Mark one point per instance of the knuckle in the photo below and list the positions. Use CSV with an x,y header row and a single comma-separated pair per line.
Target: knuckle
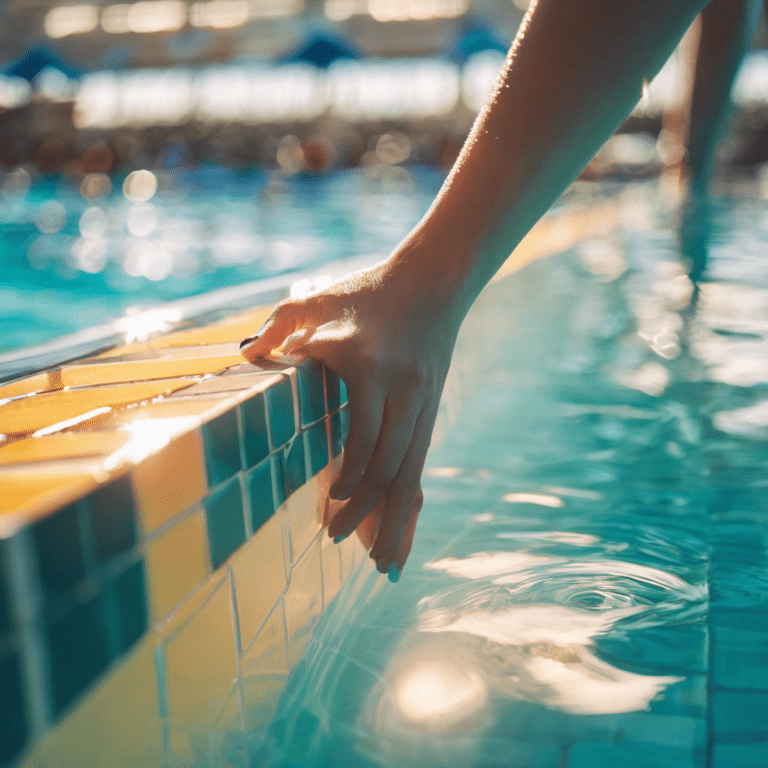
x,y
409,488
286,307
368,361
417,377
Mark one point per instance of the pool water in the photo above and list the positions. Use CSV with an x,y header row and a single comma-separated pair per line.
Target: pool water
x,y
589,581
69,262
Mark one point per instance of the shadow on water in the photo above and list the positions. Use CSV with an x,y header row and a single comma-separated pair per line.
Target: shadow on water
x,y
596,503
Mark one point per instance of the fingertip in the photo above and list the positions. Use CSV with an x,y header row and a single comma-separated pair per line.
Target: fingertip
x,y
338,491
393,573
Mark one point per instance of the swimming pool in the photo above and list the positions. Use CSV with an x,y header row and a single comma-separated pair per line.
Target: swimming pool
x,y
75,254
589,581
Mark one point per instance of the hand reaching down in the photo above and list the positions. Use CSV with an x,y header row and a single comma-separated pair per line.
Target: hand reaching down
x,y
391,344
389,331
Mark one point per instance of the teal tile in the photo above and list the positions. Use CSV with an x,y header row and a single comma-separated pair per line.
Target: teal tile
x,y
255,437
742,628
222,447
318,446
13,727
226,521
751,755
670,649
337,390
278,470
112,519
79,651
281,417
294,466
130,593
336,442
739,668
739,652
311,392
59,548
628,755
689,697
262,502
739,716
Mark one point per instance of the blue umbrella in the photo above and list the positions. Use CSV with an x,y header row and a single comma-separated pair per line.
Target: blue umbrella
x,y
474,38
30,64
322,49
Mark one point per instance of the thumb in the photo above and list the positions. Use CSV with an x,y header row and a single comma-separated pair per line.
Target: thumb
x,y
286,317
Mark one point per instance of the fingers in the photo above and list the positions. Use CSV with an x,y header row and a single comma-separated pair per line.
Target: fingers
x,y
396,435
403,503
366,413
286,317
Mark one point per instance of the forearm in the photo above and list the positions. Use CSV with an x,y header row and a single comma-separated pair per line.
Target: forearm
x,y
575,71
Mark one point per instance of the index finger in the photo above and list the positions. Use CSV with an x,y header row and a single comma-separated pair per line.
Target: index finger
x,y
286,317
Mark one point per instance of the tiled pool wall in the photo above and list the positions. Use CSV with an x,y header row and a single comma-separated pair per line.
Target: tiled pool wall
x,y
154,619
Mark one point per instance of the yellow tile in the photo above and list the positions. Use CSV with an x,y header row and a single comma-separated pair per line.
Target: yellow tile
x,y
328,507
304,508
118,724
62,445
89,374
200,661
347,554
26,497
265,672
145,352
227,736
261,694
259,574
32,413
170,481
267,653
254,382
176,564
330,559
170,408
234,329
41,382
303,603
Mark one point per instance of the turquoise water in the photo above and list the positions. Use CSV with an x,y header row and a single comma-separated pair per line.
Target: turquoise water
x,y
68,262
589,581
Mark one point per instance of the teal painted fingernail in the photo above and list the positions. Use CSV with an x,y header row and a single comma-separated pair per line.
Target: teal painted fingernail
x,y
393,574
339,538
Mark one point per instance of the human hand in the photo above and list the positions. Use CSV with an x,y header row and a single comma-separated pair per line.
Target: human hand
x,y
390,339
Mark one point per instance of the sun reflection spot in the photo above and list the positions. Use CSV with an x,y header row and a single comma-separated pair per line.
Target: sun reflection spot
x,y
141,326
533,498
442,472
71,422
437,691
149,436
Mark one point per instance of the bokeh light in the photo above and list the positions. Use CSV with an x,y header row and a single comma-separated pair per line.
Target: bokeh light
x,y
140,186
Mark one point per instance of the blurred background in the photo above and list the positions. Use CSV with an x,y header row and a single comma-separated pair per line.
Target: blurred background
x,y
161,148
